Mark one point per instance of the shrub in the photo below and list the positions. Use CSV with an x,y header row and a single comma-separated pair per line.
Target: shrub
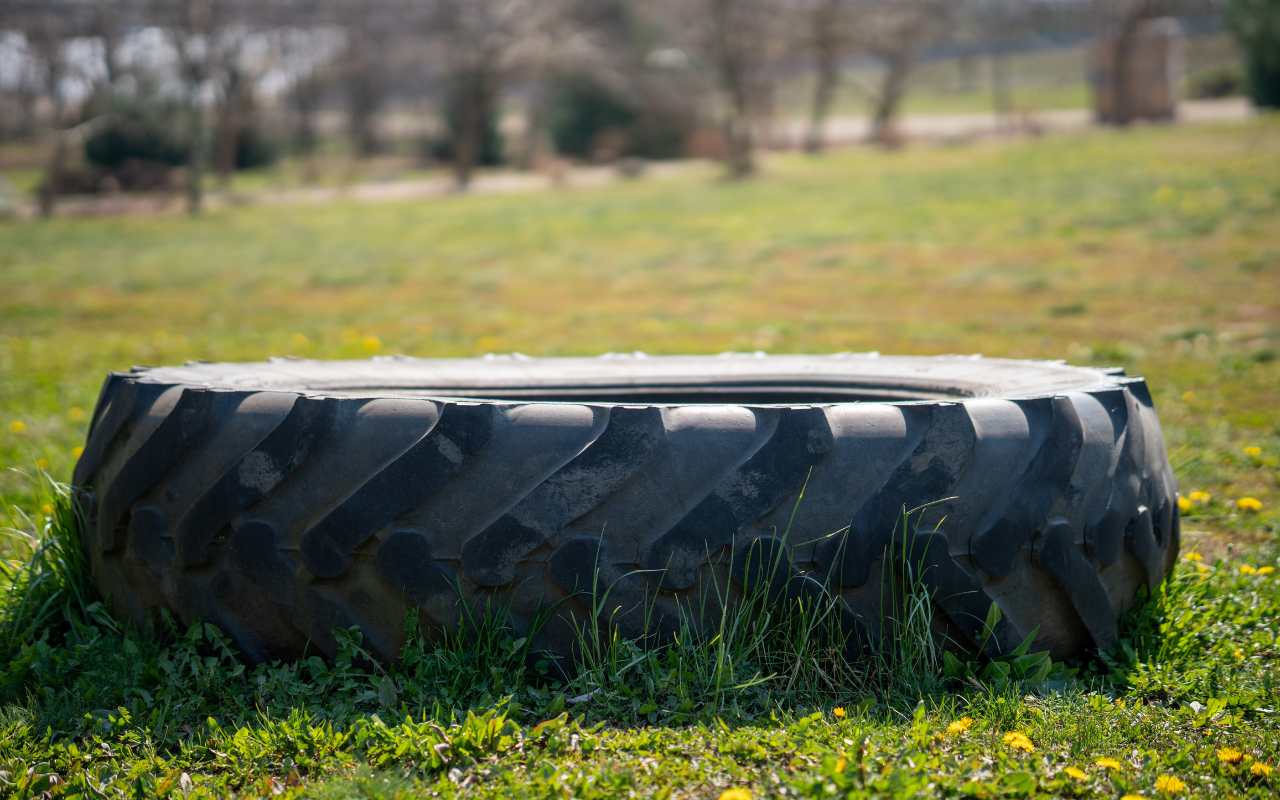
x,y
1224,80
1256,26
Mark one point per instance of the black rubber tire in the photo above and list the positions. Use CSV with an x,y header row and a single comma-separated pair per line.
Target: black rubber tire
x,y
279,500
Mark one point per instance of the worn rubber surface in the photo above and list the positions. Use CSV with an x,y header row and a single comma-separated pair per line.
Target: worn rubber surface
x,y
280,500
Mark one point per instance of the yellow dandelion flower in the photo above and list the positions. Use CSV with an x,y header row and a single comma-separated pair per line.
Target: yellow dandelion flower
x,y
841,764
838,712
299,340
1019,741
42,463
1193,557
77,452
1260,770
1249,504
1230,755
1168,784
1188,397
75,413
18,426
47,509
735,794
1266,570
958,727
1200,497
372,343
1077,773
1184,504
1253,452
1248,570
1132,796
1108,763
1201,568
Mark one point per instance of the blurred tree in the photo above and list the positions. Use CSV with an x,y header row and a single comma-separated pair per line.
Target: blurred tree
x,y
247,57
197,33
481,43
48,28
828,39
891,31
740,40
620,89
310,62
47,31
369,25
999,23
1256,26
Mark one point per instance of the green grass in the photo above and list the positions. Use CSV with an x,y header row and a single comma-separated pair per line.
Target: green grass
x,y
95,711
1156,249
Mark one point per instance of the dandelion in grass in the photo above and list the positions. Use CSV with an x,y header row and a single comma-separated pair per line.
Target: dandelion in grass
x,y
1266,570
1248,570
372,343
735,794
1260,770
77,452
1019,741
1108,763
1200,497
1193,557
1184,504
841,764
1230,755
1249,504
18,426
75,413
1132,796
838,712
1253,452
1168,784
42,463
959,727
1077,773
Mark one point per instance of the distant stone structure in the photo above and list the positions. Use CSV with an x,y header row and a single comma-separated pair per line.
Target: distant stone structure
x,y
1136,74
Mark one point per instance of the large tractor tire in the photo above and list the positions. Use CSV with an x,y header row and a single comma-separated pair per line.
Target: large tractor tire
x,y
280,500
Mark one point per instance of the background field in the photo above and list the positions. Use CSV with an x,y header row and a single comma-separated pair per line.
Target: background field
x,y
1157,249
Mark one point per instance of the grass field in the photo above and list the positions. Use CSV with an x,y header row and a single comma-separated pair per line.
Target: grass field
x,y
1157,249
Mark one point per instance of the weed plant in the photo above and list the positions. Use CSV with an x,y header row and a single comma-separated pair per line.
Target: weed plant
x,y
765,703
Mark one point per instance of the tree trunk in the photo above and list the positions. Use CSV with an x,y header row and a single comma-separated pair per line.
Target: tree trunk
x,y
827,66
228,137
532,136
1001,90
738,145
738,135
53,176
195,159
897,70
468,144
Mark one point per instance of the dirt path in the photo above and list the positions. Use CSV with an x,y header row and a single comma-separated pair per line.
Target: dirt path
x,y
840,131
